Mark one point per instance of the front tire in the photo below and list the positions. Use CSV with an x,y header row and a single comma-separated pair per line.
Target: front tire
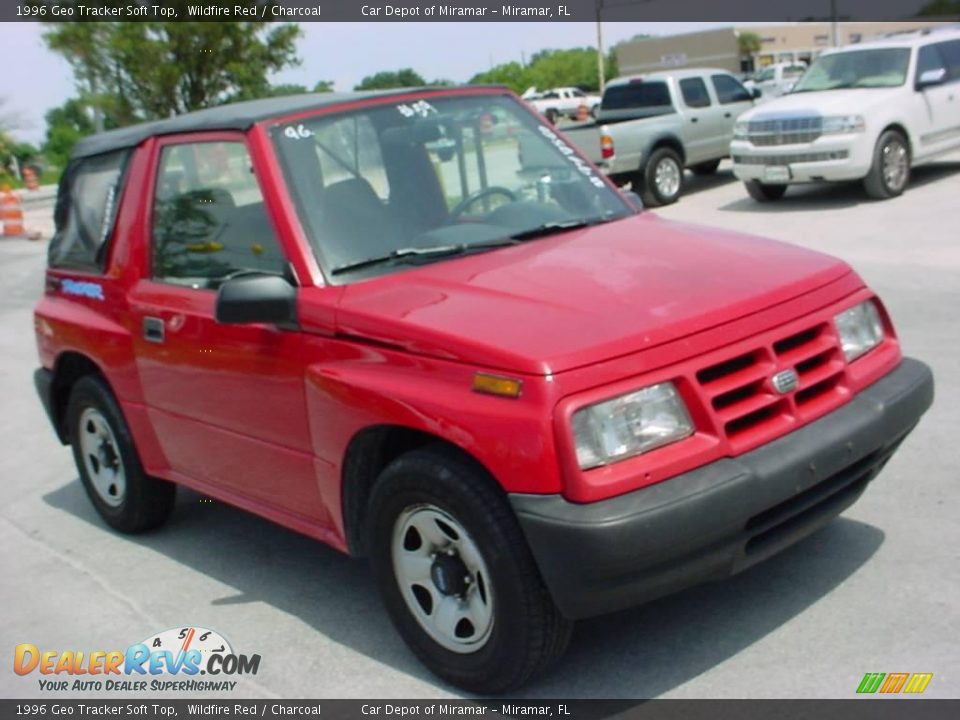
x,y
126,498
457,576
662,178
890,171
761,192
552,116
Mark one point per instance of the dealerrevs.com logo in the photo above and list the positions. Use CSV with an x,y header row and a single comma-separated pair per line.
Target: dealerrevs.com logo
x,y
172,660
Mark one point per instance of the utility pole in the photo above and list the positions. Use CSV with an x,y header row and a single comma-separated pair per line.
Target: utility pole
x,y
601,75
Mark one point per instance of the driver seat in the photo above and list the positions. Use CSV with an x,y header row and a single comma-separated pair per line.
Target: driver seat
x,y
356,223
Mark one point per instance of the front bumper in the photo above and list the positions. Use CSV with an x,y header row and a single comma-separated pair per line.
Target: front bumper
x,y
724,517
830,158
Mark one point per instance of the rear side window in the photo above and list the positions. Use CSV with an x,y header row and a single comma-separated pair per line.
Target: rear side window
x,y
729,90
950,52
694,91
638,96
209,221
85,212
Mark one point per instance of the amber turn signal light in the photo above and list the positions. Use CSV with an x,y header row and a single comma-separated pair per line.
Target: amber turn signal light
x,y
496,385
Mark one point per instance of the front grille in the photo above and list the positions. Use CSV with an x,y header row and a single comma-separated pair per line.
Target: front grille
x,y
793,159
746,407
784,131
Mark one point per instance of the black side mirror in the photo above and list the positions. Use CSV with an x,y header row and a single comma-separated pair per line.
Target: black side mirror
x,y
755,93
928,78
258,299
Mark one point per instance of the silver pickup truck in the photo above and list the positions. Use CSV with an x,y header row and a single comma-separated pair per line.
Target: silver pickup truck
x,y
650,127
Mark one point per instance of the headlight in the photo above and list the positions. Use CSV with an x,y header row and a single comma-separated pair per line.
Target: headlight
x,y
843,124
629,425
740,130
860,329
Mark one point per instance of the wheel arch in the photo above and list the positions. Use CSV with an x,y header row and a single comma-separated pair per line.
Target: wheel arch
x,y
69,367
669,141
369,451
902,129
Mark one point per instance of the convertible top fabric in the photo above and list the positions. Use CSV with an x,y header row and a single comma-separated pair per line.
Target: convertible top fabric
x,y
235,116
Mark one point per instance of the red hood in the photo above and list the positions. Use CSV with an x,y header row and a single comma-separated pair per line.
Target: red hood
x,y
584,296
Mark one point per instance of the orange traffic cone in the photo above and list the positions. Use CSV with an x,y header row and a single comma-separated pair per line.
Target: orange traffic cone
x,y
583,112
11,213
30,178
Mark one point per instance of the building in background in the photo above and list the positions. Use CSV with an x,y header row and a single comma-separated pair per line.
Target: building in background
x,y
790,42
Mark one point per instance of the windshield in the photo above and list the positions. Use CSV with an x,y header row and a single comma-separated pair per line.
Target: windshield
x,y
454,174
856,69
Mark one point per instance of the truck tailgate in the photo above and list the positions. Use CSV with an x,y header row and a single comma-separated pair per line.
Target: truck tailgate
x,y
586,136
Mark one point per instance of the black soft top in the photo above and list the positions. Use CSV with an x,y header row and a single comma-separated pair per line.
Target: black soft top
x,y
235,116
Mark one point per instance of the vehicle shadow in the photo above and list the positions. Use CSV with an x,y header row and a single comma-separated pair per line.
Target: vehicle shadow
x,y
836,196
693,184
640,653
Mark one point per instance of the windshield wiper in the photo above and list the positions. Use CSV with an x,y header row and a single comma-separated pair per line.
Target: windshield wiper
x,y
438,251
559,226
427,252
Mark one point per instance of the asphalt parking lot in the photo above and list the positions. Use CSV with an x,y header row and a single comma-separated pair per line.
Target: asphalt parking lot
x,y
875,591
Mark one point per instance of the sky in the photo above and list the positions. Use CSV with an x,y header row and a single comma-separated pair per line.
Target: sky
x,y
37,79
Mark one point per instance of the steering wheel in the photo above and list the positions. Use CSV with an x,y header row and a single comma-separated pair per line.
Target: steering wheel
x,y
461,206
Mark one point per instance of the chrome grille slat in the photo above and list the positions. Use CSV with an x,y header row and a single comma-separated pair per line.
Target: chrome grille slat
x,y
784,131
792,159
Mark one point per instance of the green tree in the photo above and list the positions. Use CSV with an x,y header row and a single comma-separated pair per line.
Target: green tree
x,y
551,68
285,89
146,70
512,74
323,86
24,152
65,125
387,79
749,43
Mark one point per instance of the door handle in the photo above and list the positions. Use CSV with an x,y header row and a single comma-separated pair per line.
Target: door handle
x,y
694,119
726,114
153,329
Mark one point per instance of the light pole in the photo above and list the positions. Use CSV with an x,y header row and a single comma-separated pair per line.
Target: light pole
x,y
600,64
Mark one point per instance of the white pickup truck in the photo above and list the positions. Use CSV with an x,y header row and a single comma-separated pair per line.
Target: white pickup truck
x,y
650,127
561,102
865,112
777,79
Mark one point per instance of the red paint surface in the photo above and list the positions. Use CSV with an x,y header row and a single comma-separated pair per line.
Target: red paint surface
x,y
261,417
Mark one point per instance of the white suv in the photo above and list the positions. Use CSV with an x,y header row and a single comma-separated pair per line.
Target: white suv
x,y
867,112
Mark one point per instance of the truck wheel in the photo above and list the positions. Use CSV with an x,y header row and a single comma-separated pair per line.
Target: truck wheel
x,y
890,171
456,575
552,116
122,493
761,192
662,178
705,168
